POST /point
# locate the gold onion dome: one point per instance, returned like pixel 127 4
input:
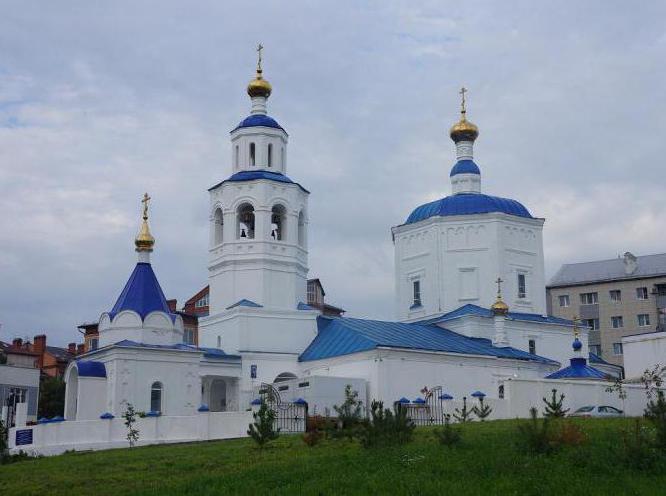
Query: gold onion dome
pixel 499 307
pixel 259 86
pixel 463 130
pixel 144 241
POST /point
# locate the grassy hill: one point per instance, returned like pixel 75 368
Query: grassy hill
pixel 487 463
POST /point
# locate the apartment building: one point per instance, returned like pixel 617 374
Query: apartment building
pixel 614 298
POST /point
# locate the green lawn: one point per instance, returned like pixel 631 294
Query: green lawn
pixel 488 463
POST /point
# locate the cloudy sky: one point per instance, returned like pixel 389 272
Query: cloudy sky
pixel 101 101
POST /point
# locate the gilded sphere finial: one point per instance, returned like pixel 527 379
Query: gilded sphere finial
pixel 463 130
pixel 499 307
pixel 259 86
pixel 144 241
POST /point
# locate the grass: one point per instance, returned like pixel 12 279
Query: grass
pixel 487 463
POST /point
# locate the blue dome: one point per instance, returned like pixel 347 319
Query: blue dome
pixel 468 204
pixel 465 167
pixel 577 345
pixel 256 120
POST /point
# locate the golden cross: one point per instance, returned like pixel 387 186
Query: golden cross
pixel 260 47
pixel 462 92
pixel 145 201
pixel 499 282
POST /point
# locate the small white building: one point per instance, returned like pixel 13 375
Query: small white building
pixel 643 352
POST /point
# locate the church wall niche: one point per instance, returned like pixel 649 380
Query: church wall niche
pixel 466 237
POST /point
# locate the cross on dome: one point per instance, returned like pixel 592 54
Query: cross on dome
pixel 144 241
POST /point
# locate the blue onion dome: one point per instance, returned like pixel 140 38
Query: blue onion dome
pixel 465 167
pixel 468 204
pixel 259 120
pixel 577 345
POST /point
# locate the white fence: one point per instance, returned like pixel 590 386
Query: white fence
pixel 57 437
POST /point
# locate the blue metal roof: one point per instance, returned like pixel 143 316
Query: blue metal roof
pixel 579 369
pixel 88 368
pixel 465 167
pixel 304 306
pixel 342 336
pixel 207 352
pixel 259 174
pixel 471 309
pixel 468 204
pixel 142 294
pixel 245 303
pixel 258 120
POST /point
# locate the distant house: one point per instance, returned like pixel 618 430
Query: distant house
pixel 50 360
pixel 316 295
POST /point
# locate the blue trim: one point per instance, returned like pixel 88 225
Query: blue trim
pixel 255 401
pixel 468 204
pixel 419 401
pixel 207 352
pixel 300 401
pixel 478 394
pixel 304 306
pixel 403 400
pixel 142 294
pixel 87 368
pixel 57 419
pixel 43 420
pixel 258 120
pixel 445 396
pixel 415 306
pixel 465 167
pixel 475 310
pixel 579 369
pixel 203 408
pixel 106 416
pixel 153 414
pixel 259 174
pixel 245 303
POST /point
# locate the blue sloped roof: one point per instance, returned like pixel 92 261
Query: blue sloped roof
pixel 142 294
pixel 465 167
pixel 342 336
pixel 245 303
pixel 258 120
pixel 304 306
pixel 468 204
pixel 89 368
pixel 207 352
pixel 471 309
pixel 579 369
pixel 259 174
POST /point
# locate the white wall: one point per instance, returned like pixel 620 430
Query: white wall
pixel 642 352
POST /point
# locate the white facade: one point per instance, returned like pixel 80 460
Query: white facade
pixel 642 352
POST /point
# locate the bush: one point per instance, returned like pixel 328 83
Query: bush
pixel 263 430
pixel 349 413
pixel 569 434
pixel 312 438
pixel 655 412
pixel 535 434
pixel 385 428
pixel 448 435
pixel 320 423
pixel 51 397
pixel 638 447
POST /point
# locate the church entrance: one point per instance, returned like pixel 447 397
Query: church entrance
pixel 219 393
pixel 218 396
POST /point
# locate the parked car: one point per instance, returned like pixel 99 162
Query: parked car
pixel 597 411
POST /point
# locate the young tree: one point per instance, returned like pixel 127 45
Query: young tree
pixel 51 397
pixel 464 414
pixel 448 435
pixel 130 420
pixel 482 410
pixel 554 406
pixel 349 413
pixel 262 430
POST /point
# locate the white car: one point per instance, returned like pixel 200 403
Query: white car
pixel 597 411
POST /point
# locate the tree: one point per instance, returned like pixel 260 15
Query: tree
pixel 536 434
pixel 51 397
pixel 3 440
pixel 349 413
pixel 554 406
pixel 464 414
pixel 130 419
pixel 482 410
pixel 3 358
pixel 262 429
pixel 448 435
pixel 655 412
pixel 385 427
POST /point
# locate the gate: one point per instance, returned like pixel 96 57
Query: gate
pixel 289 416
pixel 430 411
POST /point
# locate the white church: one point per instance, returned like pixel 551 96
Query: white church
pixel 470 307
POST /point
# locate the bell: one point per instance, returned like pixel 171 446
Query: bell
pixel 243 234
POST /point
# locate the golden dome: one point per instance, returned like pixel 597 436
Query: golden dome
pixel 499 307
pixel 259 86
pixel 463 130
pixel 144 241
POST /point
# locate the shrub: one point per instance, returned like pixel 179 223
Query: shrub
pixel 448 435
pixel 349 413
pixel 554 406
pixel 320 423
pixel 130 420
pixel 3 441
pixel 385 428
pixel 638 447
pixel 655 412
pixel 535 434
pixel 262 430
pixel 570 434
pixel 51 397
pixel 312 438
pixel 464 414
pixel 482 410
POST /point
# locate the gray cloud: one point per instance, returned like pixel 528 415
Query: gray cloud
pixel 100 102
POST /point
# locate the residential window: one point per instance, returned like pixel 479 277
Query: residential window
pixel 616 295
pixel 202 302
pixel 188 336
pixel 564 300
pixel 642 293
pixel 416 289
pixel 589 298
pixel 643 319
pixel 522 286
pixel 595 349
pixel 94 343
pixel 592 324
pixel 532 346
pixel 617 322
pixel 156 397
pixel 617 348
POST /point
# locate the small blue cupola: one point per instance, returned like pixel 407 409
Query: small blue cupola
pixel 578 368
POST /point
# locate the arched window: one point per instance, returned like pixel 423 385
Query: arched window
pixel 237 156
pixel 278 223
pixel 284 376
pixel 219 342
pixel 218 228
pixel 301 229
pixel 156 397
pixel 270 155
pixel 252 153
pixel 282 157
pixel 500 392
pixel 245 222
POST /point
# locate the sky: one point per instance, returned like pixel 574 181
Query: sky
pixel 102 101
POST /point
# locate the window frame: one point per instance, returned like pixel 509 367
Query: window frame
pixel 417 300
pixel 159 387
pixel 646 319
pixel 616 347
pixel 565 298
pixel 616 292
pixel 617 319
pixel 521 281
pixel 643 290
pixel 593 296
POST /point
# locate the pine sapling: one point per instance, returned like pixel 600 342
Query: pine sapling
pixel 464 414
pixel 262 430
pixel 482 410
pixel 554 407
